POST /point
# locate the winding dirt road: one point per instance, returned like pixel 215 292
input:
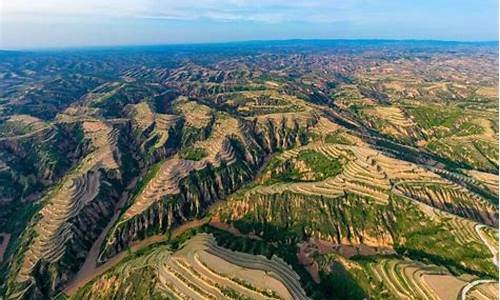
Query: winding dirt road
pixel 87 274
pixel 90 273
pixel 492 248
pixel 468 287
pixel 478 227
pixel 89 268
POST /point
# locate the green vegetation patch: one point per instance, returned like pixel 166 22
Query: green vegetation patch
pixel 143 280
pixel 482 155
pixel 232 294
pixel 423 239
pixel 320 163
pixel 468 128
pixel 193 153
pixel 340 284
pixel 308 165
pixel 337 138
pixel 11 128
pixel 432 116
pixel 291 217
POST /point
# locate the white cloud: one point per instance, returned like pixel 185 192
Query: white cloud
pixel 222 10
pixel 56 23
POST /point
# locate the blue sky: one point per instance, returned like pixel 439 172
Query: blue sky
pixel 68 23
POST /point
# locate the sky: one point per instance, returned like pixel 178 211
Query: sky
pixel 28 24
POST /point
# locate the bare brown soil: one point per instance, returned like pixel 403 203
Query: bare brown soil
pixel 189 225
pixel 215 222
pixel 259 278
pixel 445 286
pixel 309 263
pixel 90 273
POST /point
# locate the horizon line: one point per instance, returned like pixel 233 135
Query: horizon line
pixel 166 44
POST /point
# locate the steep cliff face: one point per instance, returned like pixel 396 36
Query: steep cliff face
pixel 73 214
pixel 197 192
pixel 282 131
pixel 296 217
pixel 183 189
pixel 155 134
pixel 33 161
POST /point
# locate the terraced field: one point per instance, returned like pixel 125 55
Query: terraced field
pixel 465 136
pixel 202 270
pixel 479 153
pixel 452 198
pixel 259 209
pixel 165 182
pixel 325 127
pixel 155 126
pixel 230 141
pixel 196 115
pixel 366 173
pixel 393 121
pixel 175 191
pixel 33 155
pixel 406 279
pixel 203 264
pixel 489 180
pixel 54 231
pixel 218 144
pixel 20 126
pixel 103 92
pixel 264 102
pixel 485 291
pixel 463 229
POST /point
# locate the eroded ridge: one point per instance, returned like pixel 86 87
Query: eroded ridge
pixel 165 183
pixel 55 230
pixel 153 130
pixel 174 170
pixel 182 187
